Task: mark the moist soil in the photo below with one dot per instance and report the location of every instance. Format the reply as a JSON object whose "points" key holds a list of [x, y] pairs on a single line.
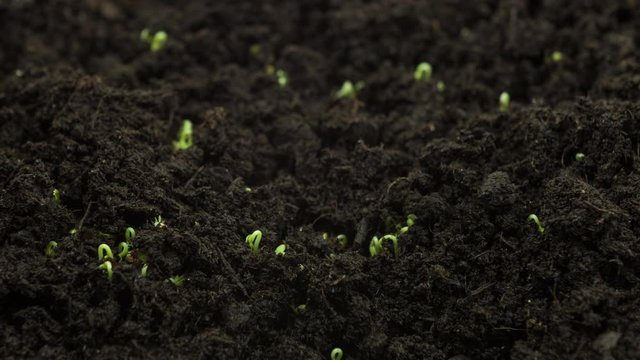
{"points": [[88, 109]]}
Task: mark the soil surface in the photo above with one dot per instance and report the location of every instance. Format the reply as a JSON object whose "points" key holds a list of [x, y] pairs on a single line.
{"points": [[88, 109]]}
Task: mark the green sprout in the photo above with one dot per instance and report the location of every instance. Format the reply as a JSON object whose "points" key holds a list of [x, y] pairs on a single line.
{"points": [[280, 250], [342, 240], [50, 250], [557, 56], [423, 72], [129, 234], [375, 247], [534, 218], [411, 220], [281, 75], [579, 156], [348, 90], [104, 252], [73, 232], [157, 41], [106, 266], [177, 280], [253, 240], [336, 354], [247, 189], [505, 99], [144, 270], [440, 86], [56, 196], [299, 309], [185, 136], [255, 49], [158, 222], [123, 250]]}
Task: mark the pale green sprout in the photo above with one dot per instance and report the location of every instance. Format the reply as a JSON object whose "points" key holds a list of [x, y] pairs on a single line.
{"points": [[56, 196], [158, 222], [185, 136], [255, 49], [342, 240], [73, 232], [108, 268], [579, 156], [104, 252], [247, 189], [123, 250], [534, 218], [349, 90], [411, 219], [177, 280], [157, 41], [423, 72], [440, 86], [336, 354], [50, 250], [144, 270], [129, 234], [375, 247], [505, 99], [557, 56], [281, 76], [280, 250], [253, 240]]}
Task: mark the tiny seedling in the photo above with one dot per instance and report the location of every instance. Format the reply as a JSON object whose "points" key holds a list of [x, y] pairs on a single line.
{"points": [[158, 222], [253, 240], [108, 268], [505, 99], [375, 246], [73, 232], [579, 156], [50, 250], [281, 76], [349, 90], [255, 49], [299, 309], [247, 189], [129, 234], [534, 218], [177, 280], [56, 196], [144, 270], [557, 56], [394, 240], [422, 72], [157, 41], [440, 86], [123, 250], [185, 136], [336, 354], [280, 250], [342, 240], [104, 252], [411, 220]]}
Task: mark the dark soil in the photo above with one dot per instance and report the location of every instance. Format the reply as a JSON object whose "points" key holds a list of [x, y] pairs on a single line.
{"points": [[87, 108]]}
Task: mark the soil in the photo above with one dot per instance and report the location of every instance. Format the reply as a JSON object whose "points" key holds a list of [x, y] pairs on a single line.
{"points": [[87, 108]]}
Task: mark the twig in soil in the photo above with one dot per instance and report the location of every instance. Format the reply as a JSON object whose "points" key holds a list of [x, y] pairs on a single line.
{"points": [[606, 211], [86, 213], [232, 273], [481, 289], [186, 185]]}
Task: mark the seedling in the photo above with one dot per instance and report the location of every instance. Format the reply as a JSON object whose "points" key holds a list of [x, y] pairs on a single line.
{"points": [[158, 222], [104, 252], [253, 240], [56, 196], [129, 234], [505, 99], [440, 86], [411, 220], [557, 56], [348, 90], [534, 218], [375, 247], [50, 251], [336, 354], [143, 271], [579, 156], [247, 189], [157, 41], [281, 75], [255, 49], [423, 72], [185, 136], [342, 240], [177, 280], [123, 250], [299, 309], [281, 249], [106, 266]]}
